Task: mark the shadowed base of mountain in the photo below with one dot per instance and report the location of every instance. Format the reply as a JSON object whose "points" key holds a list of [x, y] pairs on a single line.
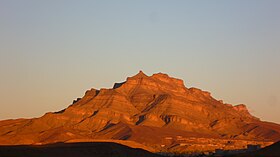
{"points": [[83, 149], [270, 151]]}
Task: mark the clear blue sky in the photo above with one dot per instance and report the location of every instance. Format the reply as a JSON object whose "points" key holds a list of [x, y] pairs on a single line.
{"points": [[53, 51]]}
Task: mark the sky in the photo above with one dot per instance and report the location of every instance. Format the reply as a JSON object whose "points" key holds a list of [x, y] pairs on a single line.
{"points": [[52, 51]]}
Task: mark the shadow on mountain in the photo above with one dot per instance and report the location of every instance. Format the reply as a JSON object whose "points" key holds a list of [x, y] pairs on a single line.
{"points": [[270, 151], [84, 149]]}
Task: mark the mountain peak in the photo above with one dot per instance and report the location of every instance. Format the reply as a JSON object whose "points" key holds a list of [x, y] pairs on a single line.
{"points": [[161, 75], [167, 79], [140, 74]]}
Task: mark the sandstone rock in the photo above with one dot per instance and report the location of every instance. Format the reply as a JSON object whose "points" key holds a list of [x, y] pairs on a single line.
{"points": [[145, 109]]}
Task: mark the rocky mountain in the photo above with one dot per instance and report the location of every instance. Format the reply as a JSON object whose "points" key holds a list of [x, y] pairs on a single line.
{"points": [[156, 111]]}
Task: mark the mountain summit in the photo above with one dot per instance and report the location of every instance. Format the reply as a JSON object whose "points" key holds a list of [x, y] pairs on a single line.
{"points": [[157, 111]]}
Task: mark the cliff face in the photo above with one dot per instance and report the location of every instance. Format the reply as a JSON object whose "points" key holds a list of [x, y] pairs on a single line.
{"points": [[143, 109]]}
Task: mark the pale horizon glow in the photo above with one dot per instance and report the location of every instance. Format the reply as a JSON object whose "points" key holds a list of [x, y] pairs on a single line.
{"points": [[51, 52]]}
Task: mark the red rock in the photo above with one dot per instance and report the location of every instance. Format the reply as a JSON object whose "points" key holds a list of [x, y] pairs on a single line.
{"points": [[144, 109]]}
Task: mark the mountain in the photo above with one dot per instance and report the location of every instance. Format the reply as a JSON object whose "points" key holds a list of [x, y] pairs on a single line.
{"points": [[157, 112]]}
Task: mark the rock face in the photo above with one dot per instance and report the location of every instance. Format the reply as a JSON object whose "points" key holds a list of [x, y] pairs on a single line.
{"points": [[145, 109]]}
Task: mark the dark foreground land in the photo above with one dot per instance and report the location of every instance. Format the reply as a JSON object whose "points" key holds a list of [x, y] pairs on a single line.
{"points": [[270, 151], [103, 149], [95, 149]]}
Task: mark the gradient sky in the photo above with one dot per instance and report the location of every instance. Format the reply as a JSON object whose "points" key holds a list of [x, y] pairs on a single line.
{"points": [[52, 51]]}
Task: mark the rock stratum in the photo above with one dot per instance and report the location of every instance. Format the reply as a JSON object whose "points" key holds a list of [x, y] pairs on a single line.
{"points": [[155, 113]]}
